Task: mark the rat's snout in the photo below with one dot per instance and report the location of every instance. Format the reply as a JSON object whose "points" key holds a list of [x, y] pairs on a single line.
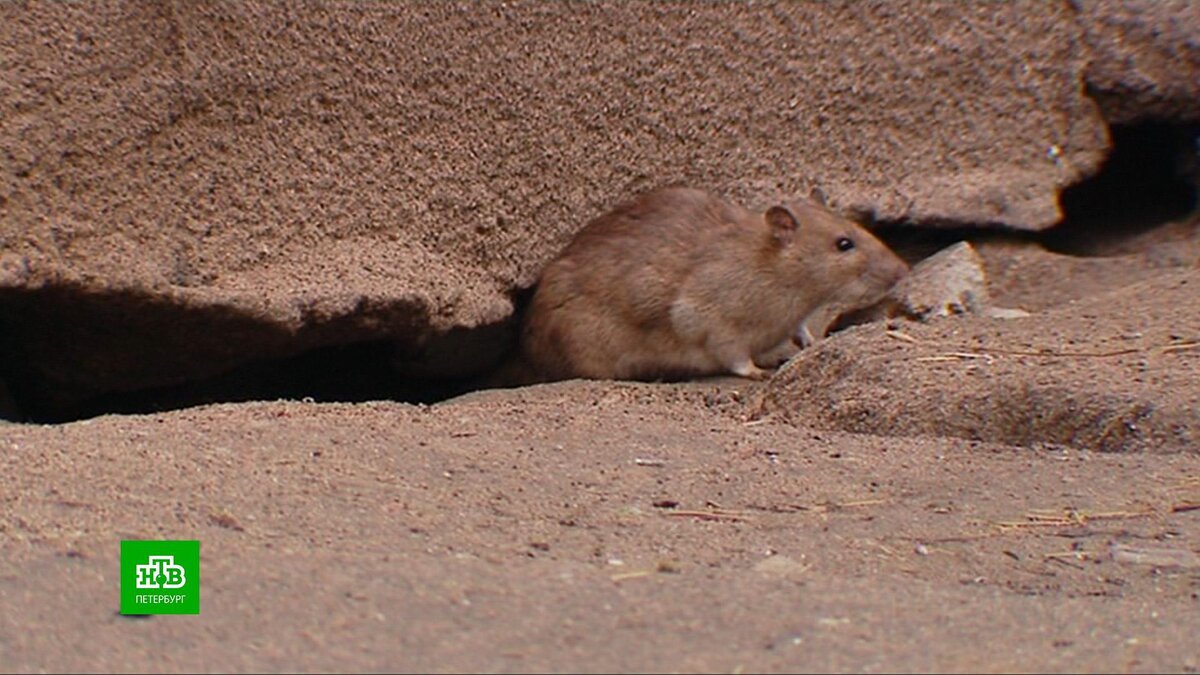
{"points": [[890, 270]]}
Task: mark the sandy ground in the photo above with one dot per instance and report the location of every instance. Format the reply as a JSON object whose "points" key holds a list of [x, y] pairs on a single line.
{"points": [[719, 525]]}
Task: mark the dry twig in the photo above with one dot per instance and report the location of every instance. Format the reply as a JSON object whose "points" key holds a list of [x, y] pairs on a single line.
{"points": [[1069, 518], [903, 337], [715, 514]]}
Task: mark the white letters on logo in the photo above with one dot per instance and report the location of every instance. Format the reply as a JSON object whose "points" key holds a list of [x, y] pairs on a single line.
{"points": [[160, 572]]}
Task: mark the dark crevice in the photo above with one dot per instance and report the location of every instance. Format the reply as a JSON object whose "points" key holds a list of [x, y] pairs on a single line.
{"points": [[344, 373], [427, 369], [352, 373], [1150, 180], [914, 244]]}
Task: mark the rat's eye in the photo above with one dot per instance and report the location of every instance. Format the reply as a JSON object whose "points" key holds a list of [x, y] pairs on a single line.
{"points": [[845, 244]]}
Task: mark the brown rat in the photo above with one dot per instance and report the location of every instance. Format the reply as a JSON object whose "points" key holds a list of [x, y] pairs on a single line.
{"points": [[680, 283]]}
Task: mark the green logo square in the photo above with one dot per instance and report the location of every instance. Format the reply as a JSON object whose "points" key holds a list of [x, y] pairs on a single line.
{"points": [[160, 577]]}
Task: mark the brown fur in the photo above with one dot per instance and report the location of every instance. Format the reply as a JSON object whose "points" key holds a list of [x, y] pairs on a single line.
{"points": [[680, 283]]}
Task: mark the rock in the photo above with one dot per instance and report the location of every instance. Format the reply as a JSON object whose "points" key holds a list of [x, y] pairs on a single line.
{"points": [[1155, 557], [782, 566], [952, 281], [1145, 58]]}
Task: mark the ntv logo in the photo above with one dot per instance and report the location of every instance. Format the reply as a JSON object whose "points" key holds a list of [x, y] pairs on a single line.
{"points": [[160, 571], [160, 577]]}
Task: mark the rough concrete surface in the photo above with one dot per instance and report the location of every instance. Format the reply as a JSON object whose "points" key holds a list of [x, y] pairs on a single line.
{"points": [[1144, 58], [331, 173]]}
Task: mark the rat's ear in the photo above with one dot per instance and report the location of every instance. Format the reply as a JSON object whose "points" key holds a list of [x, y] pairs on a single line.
{"points": [[817, 195], [783, 224]]}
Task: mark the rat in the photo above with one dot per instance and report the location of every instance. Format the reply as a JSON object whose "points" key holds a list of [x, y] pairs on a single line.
{"points": [[680, 283]]}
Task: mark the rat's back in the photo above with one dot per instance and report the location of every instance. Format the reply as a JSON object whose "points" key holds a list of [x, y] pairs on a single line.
{"points": [[602, 308]]}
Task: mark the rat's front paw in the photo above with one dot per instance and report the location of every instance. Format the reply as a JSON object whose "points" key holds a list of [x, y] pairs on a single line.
{"points": [[747, 369]]}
